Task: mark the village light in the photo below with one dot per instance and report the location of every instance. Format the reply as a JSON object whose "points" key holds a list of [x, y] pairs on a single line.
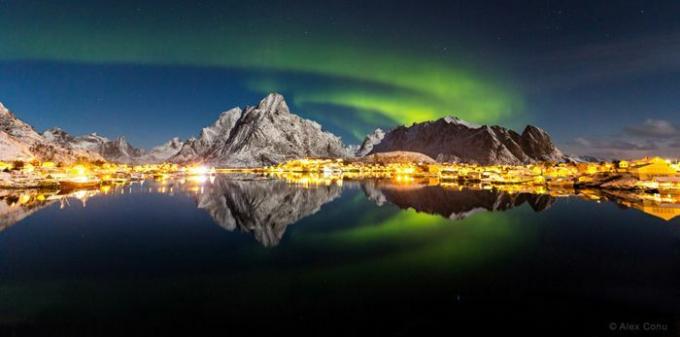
{"points": [[201, 170]]}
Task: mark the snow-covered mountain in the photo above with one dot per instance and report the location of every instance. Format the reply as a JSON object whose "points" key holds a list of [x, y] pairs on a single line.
{"points": [[450, 139], [163, 152], [262, 135], [19, 141], [195, 149], [12, 149], [269, 133], [85, 146], [118, 150], [17, 128]]}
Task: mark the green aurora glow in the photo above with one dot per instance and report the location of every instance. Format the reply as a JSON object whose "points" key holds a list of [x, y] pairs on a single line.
{"points": [[380, 77]]}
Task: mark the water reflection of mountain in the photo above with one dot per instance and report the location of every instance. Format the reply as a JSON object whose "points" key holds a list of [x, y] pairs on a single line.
{"points": [[452, 203], [263, 208], [15, 206]]}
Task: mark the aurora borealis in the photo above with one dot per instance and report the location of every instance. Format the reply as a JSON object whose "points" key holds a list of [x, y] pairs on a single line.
{"points": [[351, 66]]}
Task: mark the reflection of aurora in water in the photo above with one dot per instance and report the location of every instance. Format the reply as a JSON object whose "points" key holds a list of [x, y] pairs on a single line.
{"points": [[265, 207]]}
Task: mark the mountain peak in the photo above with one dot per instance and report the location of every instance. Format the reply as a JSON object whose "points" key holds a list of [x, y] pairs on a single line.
{"points": [[227, 115], [458, 121], [261, 135], [274, 102], [4, 110], [370, 141], [57, 135], [535, 133], [451, 139]]}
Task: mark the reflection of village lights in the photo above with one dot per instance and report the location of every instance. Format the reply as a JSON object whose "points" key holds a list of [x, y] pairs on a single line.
{"points": [[656, 192], [403, 178], [405, 170], [644, 176], [199, 179], [80, 194]]}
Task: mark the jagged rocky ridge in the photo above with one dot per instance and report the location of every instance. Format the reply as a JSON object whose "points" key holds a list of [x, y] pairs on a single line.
{"points": [[19, 141], [196, 149], [450, 139], [369, 142], [259, 136], [119, 150]]}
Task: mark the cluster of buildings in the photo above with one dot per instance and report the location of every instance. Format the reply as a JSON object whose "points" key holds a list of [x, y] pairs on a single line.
{"points": [[651, 185], [78, 175], [645, 174]]}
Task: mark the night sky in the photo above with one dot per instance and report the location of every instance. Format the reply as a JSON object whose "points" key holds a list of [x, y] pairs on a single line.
{"points": [[602, 77]]}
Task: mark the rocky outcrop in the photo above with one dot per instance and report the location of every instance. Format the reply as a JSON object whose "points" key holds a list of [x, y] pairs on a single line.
{"points": [[120, 151], [536, 143], [450, 139], [163, 152], [196, 149], [369, 142]]}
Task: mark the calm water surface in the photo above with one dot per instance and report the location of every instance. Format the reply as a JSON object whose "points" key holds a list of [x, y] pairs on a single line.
{"points": [[257, 255]]}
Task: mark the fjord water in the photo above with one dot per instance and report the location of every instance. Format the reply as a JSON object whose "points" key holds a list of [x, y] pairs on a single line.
{"points": [[264, 255]]}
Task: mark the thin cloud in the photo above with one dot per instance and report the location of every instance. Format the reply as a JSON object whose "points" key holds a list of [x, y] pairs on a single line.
{"points": [[653, 137], [654, 128]]}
